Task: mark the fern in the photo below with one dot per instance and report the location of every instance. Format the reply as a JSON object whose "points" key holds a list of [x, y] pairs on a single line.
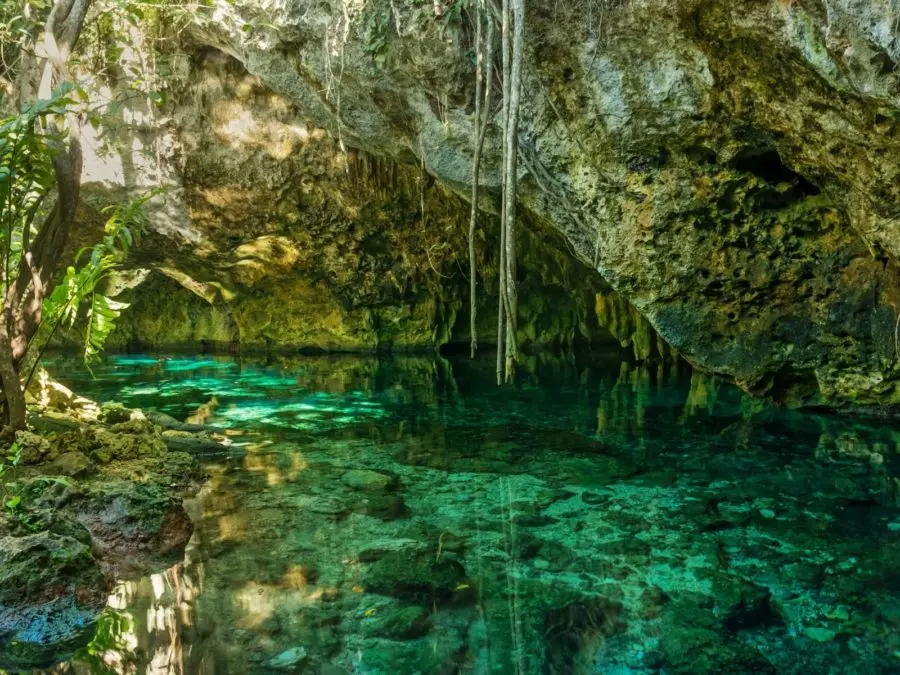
{"points": [[81, 285], [101, 321]]}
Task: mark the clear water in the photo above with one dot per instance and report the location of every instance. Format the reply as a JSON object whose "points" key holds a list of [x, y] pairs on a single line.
{"points": [[408, 516]]}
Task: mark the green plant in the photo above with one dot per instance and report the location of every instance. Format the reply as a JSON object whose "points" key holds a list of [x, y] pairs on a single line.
{"points": [[27, 145], [83, 286], [376, 29], [11, 498]]}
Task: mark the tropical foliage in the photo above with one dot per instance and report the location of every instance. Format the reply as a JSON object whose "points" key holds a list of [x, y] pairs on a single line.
{"points": [[40, 181]]}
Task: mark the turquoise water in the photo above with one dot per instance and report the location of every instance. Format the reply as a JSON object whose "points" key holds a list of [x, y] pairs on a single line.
{"points": [[408, 516]]}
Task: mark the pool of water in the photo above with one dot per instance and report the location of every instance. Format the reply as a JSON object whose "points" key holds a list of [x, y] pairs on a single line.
{"points": [[408, 516]]}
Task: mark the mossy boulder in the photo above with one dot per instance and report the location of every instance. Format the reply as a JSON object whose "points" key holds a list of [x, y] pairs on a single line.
{"points": [[135, 526], [42, 567], [74, 464], [51, 591]]}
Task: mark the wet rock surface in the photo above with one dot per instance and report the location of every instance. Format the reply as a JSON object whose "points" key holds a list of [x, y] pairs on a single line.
{"points": [[95, 503]]}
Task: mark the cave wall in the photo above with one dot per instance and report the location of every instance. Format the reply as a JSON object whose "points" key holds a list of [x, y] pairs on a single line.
{"points": [[730, 168], [291, 243]]}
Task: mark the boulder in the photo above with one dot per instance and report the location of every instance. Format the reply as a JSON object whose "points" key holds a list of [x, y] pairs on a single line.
{"points": [[51, 593]]}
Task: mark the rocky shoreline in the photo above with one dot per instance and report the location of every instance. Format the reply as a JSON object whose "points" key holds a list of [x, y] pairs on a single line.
{"points": [[95, 497]]}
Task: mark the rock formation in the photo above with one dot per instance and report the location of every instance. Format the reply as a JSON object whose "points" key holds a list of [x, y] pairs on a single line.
{"points": [[729, 169]]}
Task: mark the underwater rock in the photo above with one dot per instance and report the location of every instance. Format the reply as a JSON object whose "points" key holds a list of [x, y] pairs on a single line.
{"points": [[328, 505], [361, 479], [572, 632], [414, 575], [199, 446], [819, 634], [692, 639], [168, 422], [399, 623], [288, 659], [388, 506]]}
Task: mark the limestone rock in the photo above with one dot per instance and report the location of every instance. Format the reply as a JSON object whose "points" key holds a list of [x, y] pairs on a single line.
{"points": [[74, 464], [731, 173], [51, 590]]}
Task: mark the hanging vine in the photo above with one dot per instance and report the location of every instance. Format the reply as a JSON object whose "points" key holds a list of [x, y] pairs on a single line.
{"points": [[512, 40], [484, 49]]}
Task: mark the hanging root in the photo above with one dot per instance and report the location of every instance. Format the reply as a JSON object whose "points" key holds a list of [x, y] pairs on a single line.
{"points": [[483, 69], [476, 160], [502, 323], [513, 14]]}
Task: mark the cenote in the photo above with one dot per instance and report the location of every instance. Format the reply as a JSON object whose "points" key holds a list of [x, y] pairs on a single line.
{"points": [[437, 337], [406, 515]]}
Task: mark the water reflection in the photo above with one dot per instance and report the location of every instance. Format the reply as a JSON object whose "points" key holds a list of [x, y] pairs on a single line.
{"points": [[408, 516]]}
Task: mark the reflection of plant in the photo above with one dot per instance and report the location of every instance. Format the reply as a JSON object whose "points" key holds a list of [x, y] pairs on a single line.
{"points": [[11, 498], [110, 636]]}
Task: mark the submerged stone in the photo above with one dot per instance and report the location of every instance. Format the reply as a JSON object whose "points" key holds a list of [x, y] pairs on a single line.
{"points": [[367, 480], [288, 659], [415, 575], [400, 623], [819, 634]]}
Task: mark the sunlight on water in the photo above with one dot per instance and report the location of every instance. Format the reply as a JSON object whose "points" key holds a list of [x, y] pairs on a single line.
{"points": [[407, 516]]}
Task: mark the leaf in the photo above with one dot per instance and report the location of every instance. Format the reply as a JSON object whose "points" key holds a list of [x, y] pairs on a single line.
{"points": [[13, 503], [79, 285], [101, 321]]}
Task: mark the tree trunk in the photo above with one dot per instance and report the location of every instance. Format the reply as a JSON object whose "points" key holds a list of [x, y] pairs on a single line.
{"points": [[24, 297], [14, 405]]}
